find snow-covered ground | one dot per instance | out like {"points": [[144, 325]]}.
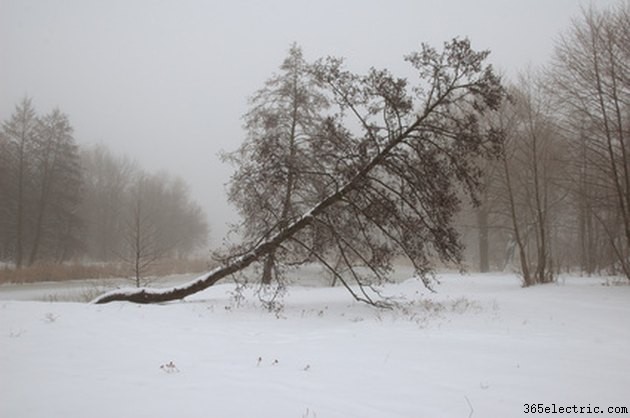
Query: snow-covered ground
{"points": [[481, 347]]}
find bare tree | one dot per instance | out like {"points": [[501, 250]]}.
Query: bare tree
{"points": [[160, 222], [590, 73], [507, 121], [115, 189], [531, 170], [107, 180], [397, 184], [142, 244]]}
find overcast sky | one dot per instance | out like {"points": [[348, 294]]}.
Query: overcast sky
{"points": [[166, 82]]}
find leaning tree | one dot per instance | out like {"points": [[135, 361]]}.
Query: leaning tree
{"points": [[393, 161]]}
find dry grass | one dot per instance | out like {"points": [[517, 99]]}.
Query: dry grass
{"points": [[76, 271]]}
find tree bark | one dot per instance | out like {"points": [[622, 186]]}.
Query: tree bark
{"points": [[482, 224]]}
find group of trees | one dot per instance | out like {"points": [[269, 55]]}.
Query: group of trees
{"points": [[40, 184], [354, 171], [59, 202], [136, 217], [559, 197]]}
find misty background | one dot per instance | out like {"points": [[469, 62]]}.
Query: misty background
{"points": [[167, 83]]}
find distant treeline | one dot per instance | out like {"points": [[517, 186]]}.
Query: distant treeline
{"points": [[61, 202]]}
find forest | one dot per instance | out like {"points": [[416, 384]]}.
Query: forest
{"points": [[63, 203]]}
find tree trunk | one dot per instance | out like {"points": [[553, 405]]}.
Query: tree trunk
{"points": [[37, 239], [482, 224], [615, 171], [19, 245], [540, 276], [47, 180], [517, 232], [268, 267]]}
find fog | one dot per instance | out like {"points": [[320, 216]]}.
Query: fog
{"points": [[166, 83]]}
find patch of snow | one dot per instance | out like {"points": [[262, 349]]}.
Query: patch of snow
{"points": [[482, 341]]}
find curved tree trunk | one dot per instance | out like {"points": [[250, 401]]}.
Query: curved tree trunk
{"points": [[146, 295]]}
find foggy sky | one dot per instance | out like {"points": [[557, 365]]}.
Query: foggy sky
{"points": [[166, 82]]}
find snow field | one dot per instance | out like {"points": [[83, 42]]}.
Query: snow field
{"points": [[480, 342]]}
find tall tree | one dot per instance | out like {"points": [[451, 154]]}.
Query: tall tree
{"points": [[531, 170], [275, 163], [143, 244], [397, 184], [58, 180], [590, 73], [19, 135]]}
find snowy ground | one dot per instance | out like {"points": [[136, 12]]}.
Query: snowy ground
{"points": [[481, 347]]}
